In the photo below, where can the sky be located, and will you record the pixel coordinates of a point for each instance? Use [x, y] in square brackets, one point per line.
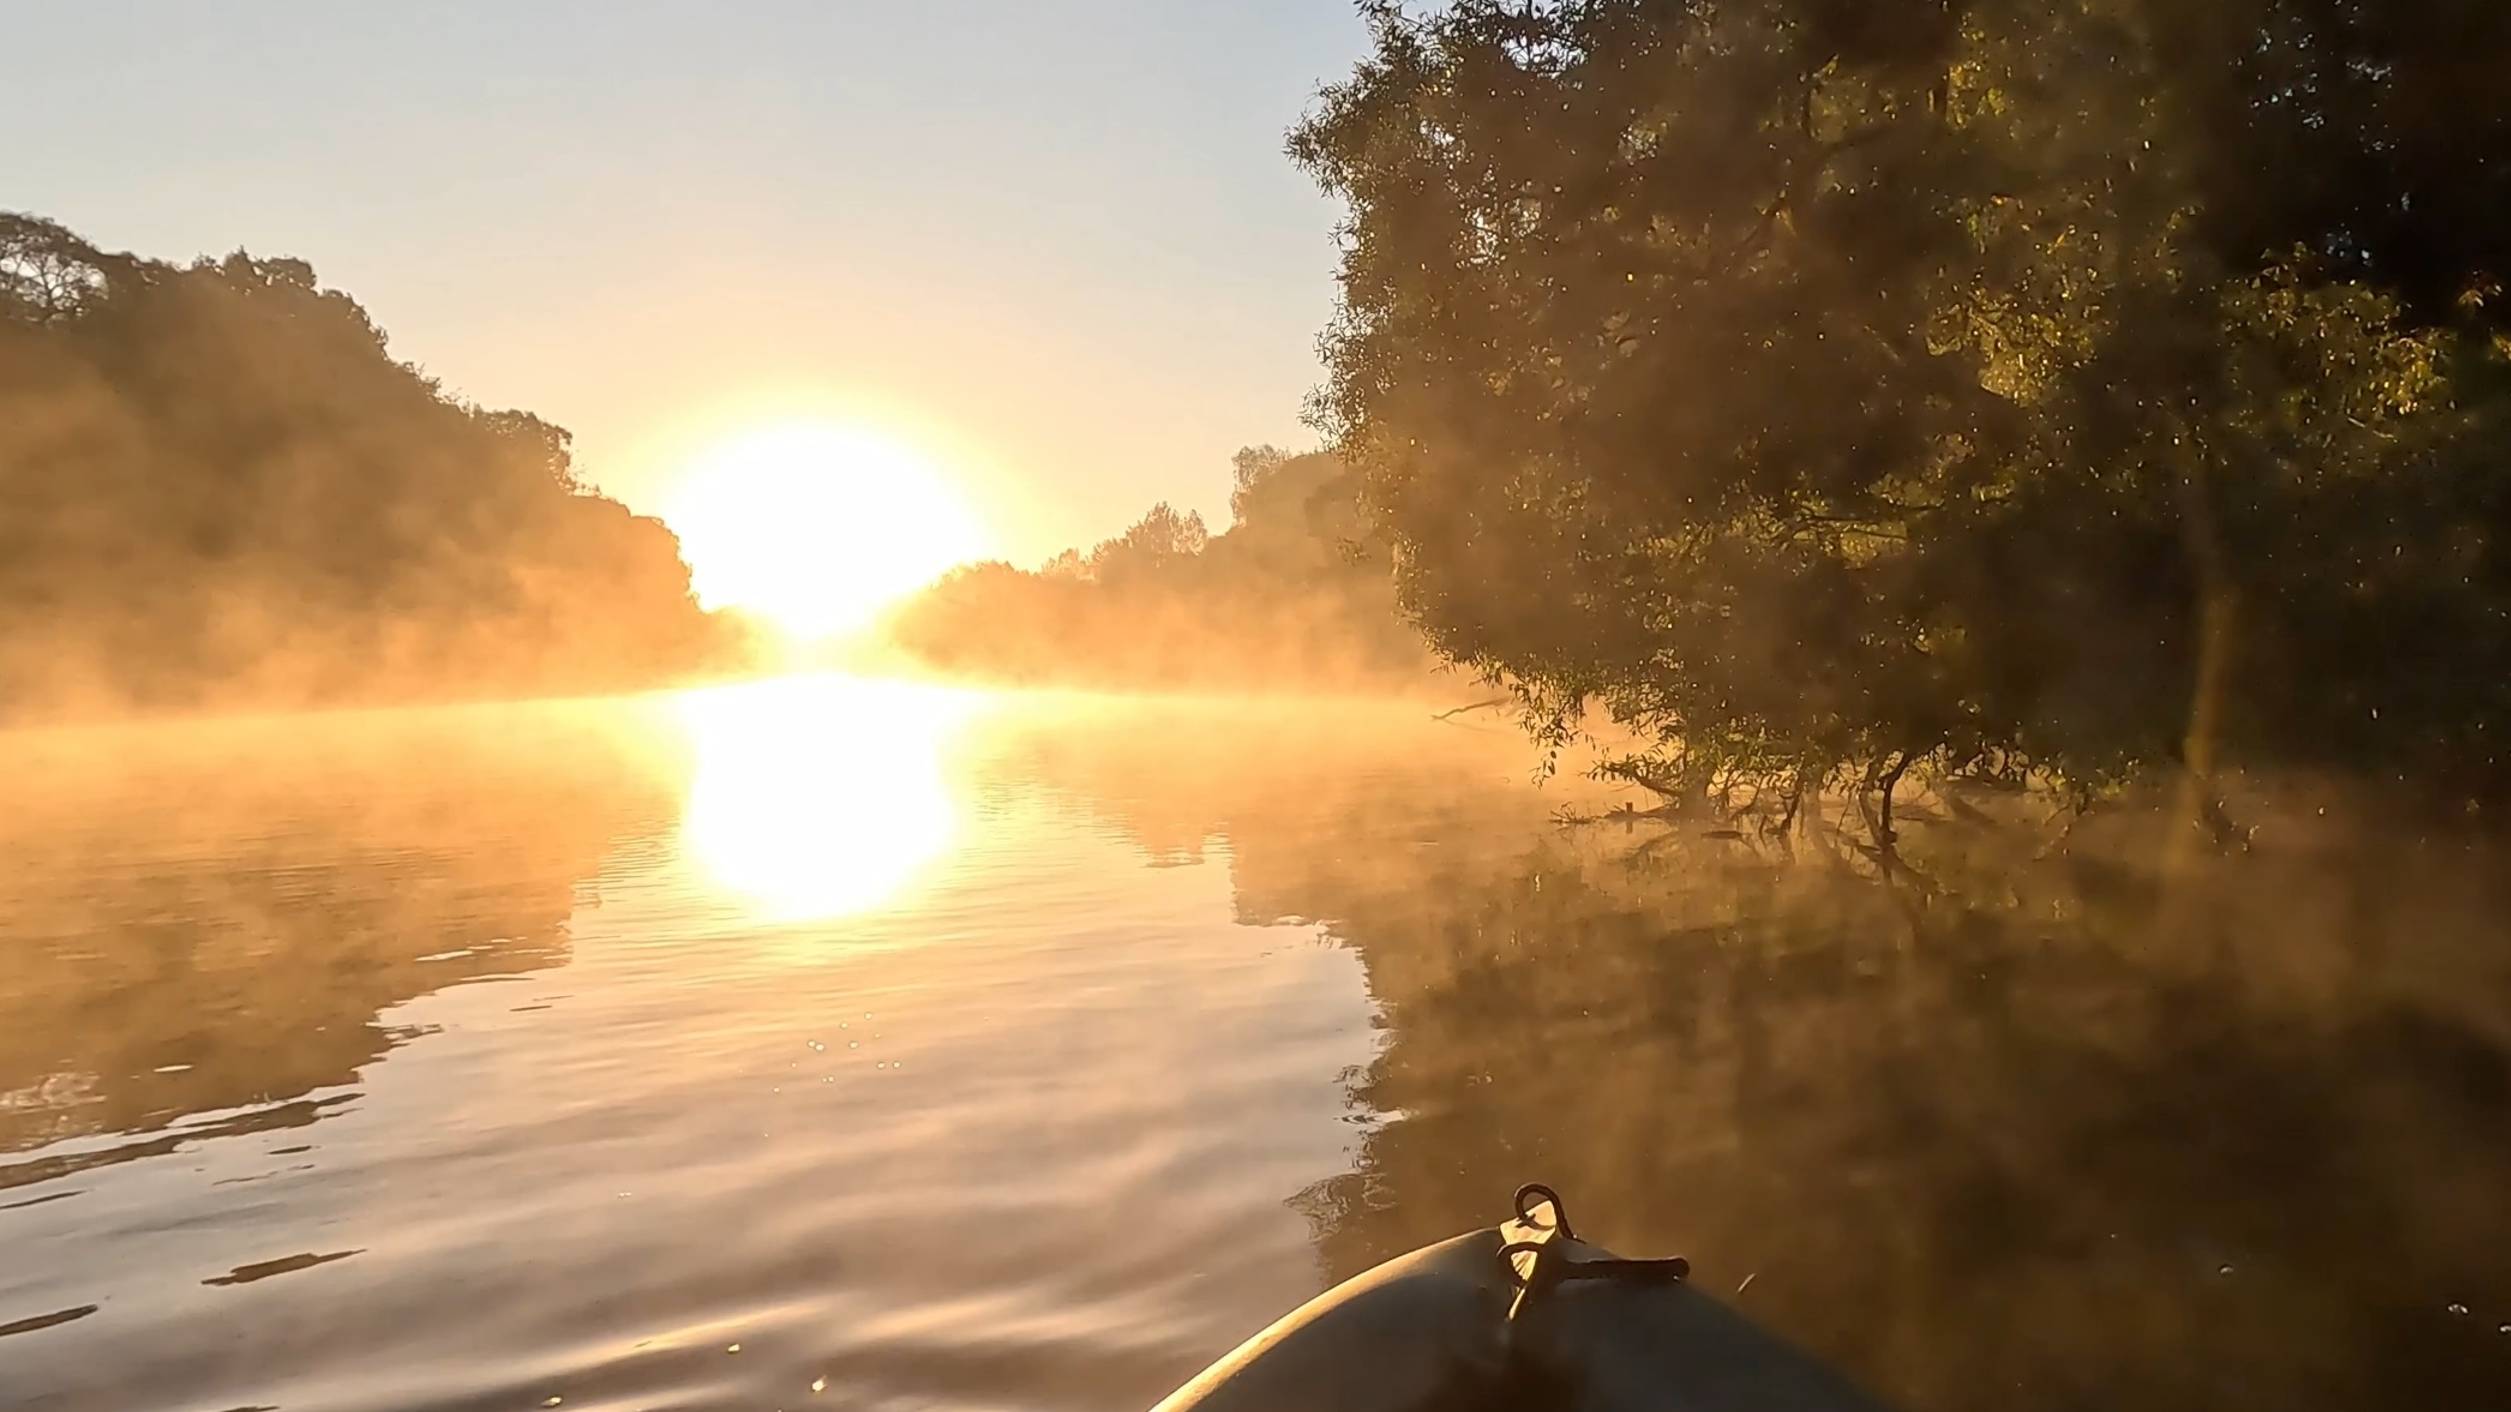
[1055, 246]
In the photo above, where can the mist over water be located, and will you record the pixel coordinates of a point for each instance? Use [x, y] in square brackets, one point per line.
[946, 1049]
[1995, 510]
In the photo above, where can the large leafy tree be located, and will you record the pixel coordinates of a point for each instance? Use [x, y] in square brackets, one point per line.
[1819, 387]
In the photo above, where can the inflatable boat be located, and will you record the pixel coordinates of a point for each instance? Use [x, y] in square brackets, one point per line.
[1520, 1316]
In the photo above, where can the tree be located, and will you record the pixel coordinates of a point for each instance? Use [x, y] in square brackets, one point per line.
[1284, 597]
[1823, 389]
[216, 485]
[1297, 514]
[47, 273]
[1250, 467]
[1159, 541]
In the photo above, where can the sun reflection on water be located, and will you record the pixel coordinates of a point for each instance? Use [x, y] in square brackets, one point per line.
[819, 797]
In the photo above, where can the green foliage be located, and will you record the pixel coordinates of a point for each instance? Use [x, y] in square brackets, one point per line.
[1821, 389]
[1285, 596]
[216, 485]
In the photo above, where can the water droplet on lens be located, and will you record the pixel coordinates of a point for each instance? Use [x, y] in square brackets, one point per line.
[2225, 1270]
[2459, 1309]
[819, 1384]
[732, 1348]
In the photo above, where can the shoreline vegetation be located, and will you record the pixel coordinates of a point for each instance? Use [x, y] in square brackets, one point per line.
[219, 491]
[1295, 595]
[2063, 398]
[223, 495]
[1775, 406]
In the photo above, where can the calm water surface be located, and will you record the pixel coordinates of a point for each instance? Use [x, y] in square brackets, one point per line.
[818, 1043]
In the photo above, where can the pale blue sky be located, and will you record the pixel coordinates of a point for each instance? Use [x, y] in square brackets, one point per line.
[1056, 242]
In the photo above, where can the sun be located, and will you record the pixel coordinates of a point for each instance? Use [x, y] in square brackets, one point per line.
[817, 526]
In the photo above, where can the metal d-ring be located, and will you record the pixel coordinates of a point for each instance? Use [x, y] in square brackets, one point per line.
[1548, 1265]
[1524, 1203]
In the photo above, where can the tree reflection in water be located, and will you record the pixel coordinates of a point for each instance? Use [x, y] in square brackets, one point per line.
[206, 924]
[2070, 1131]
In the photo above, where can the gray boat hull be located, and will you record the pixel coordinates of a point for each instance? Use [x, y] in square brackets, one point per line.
[1434, 1329]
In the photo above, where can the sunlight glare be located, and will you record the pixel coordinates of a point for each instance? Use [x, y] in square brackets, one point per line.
[819, 797]
[816, 526]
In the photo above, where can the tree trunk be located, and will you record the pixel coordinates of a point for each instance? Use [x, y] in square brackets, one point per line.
[1890, 781]
[2217, 628]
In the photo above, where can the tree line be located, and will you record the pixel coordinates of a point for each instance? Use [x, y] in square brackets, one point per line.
[1824, 390]
[217, 486]
[1289, 595]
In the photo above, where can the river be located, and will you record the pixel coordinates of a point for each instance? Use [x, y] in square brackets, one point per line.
[872, 1046]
